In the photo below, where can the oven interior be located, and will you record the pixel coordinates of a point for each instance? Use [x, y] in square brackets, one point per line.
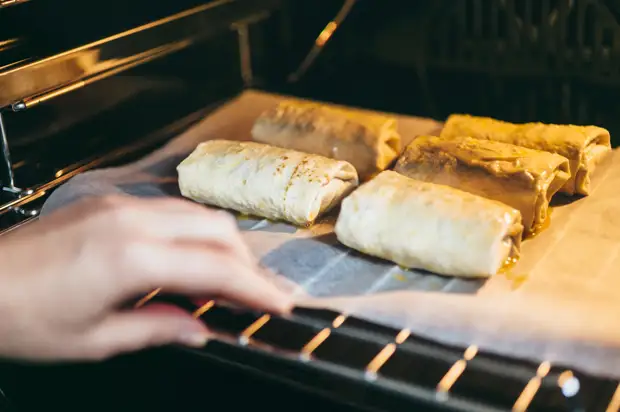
[165, 65]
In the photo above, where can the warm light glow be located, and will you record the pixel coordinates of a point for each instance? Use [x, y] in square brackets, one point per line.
[203, 309]
[148, 297]
[314, 343]
[527, 395]
[254, 327]
[524, 400]
[543, 369]
[379, 360]
[5, 44]
[614, 405]
[326, 34]
[453, 374]
[339, 321]
[402, 336]
[470, 352]
[456, 370]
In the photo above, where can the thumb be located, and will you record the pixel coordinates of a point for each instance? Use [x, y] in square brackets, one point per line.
[137, 329]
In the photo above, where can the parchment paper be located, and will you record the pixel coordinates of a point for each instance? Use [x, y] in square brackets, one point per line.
[561, 303]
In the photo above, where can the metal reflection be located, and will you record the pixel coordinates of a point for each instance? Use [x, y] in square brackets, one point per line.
[8, 44]
[454, 373]
[338, 321]
[614, 404]
[314, 343]
[8, 181]
[402, 336]
[378, 361]
[147, 298]
[24, 84]
[245, 336]
[28, 195]
[306, 352]
[530, 390]
[372, 369]
[245, 54]
[7, 3]
[203, 309]
[321, 40]
[569, 384]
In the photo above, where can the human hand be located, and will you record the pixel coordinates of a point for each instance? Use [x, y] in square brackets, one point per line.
[64, 278]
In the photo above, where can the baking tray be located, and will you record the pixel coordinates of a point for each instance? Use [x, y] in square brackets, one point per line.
[339, 362]
[345, 348]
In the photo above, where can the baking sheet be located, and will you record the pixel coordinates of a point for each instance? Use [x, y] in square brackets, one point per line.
[561, 303]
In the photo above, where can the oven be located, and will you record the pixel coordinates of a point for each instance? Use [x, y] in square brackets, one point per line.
[83, 88]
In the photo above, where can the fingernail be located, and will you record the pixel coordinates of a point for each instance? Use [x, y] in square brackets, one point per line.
[195, 339]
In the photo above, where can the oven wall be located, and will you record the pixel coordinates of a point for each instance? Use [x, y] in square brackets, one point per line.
[527, 60]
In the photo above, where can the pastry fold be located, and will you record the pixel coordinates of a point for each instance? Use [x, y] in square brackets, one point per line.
[522, 178]
[583, 146]
[428, 226]
[266, 181]
[367, 140]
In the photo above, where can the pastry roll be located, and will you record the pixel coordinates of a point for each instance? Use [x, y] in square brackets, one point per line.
[583, 146]
[428, 226]
[369, 141]
[522, 178]
[266, 181]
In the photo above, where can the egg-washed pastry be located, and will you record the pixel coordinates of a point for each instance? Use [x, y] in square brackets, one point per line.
[522, 178]
[583, 146]
[266, 181]
[428, 226]
[367, 140]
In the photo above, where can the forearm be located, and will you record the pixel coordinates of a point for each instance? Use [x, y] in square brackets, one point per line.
[11, 318]
[6, 317]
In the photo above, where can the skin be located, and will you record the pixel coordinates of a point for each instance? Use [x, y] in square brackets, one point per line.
[65, 277]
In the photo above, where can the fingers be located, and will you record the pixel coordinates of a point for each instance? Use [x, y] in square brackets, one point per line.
[176, 220]
[142, 328]
[185, 248]
[204, 270]
[209, 226]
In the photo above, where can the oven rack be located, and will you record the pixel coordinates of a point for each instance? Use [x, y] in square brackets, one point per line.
[115, 54]
[25, 208]
[42, 80]
[7, 3]
[384, 368]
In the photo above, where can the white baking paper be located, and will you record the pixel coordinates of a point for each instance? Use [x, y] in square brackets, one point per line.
[561, 303]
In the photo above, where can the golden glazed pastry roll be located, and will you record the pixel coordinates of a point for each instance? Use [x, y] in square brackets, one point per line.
[367, 140]
[266, 181]
[583, 146]
[428, 226]
[522, 178]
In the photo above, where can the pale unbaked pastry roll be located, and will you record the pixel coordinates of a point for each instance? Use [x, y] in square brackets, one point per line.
[583, 146]
[266, 181]
[369, 141]
[522, 178]
[428, 226]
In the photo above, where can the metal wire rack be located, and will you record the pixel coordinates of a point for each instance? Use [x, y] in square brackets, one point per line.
[383, 367]
[25, 84]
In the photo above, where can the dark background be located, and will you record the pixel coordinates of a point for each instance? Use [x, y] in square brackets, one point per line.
[519, 60]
